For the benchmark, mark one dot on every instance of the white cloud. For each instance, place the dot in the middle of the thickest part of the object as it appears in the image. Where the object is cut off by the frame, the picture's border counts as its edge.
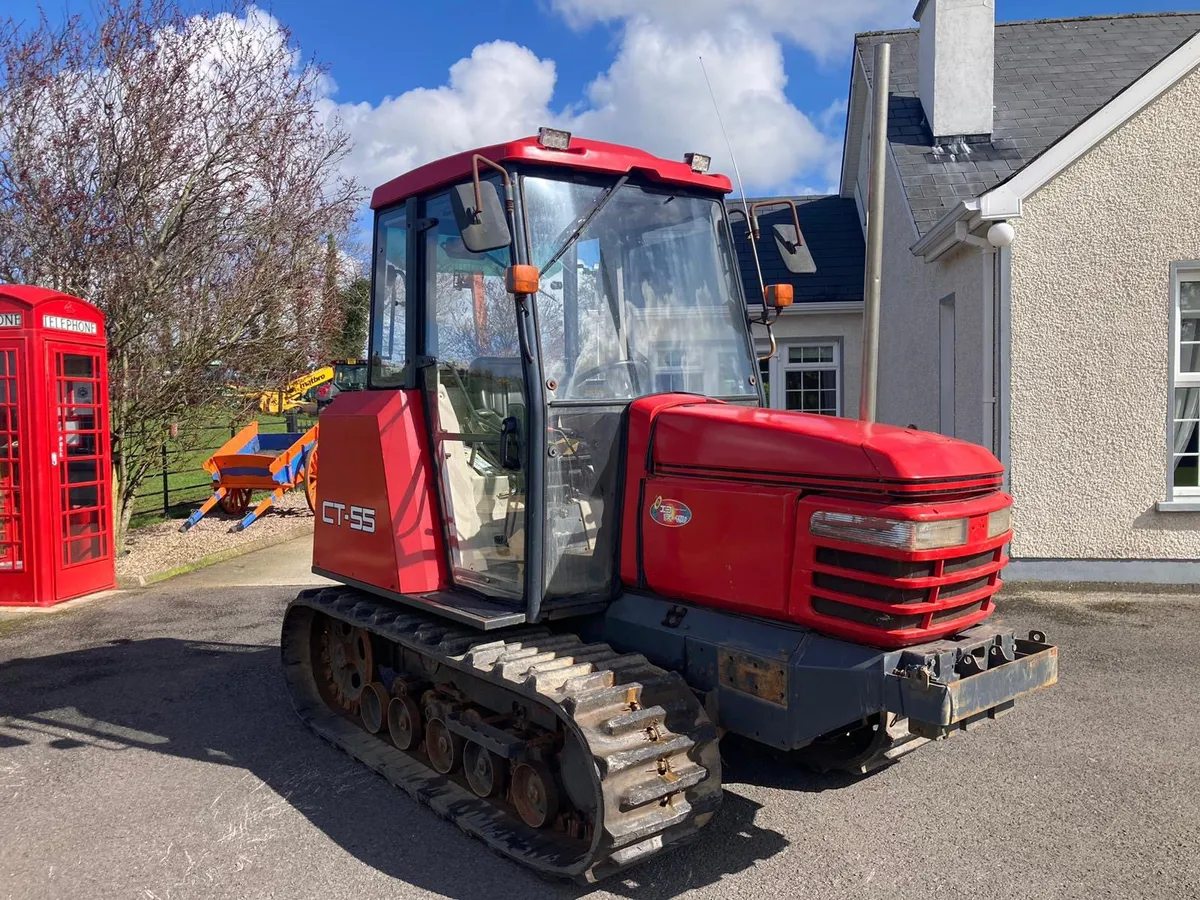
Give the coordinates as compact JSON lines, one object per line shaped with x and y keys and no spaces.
{"x":499,"y":92}
{"x":823,"y":27}
{"x":652,"y":96}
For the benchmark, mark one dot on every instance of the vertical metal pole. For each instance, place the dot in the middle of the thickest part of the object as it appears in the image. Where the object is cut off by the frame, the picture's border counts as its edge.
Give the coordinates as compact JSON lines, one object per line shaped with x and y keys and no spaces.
{"x":871,"y":289}
{"x":166,"y":486}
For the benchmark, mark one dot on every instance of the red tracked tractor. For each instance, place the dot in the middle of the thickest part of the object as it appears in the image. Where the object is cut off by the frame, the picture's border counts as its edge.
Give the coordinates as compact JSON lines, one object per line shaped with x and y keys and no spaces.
{"x":573,"y":548}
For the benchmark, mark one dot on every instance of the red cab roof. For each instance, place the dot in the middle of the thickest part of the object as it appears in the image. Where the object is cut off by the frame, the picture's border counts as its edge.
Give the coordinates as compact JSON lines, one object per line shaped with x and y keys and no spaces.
{"x":582,"y":155}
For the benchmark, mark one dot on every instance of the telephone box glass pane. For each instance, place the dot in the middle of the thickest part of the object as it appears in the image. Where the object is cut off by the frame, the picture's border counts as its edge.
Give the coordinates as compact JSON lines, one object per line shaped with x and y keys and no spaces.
{"x":83,"y":494}
{"x":11,"y":550}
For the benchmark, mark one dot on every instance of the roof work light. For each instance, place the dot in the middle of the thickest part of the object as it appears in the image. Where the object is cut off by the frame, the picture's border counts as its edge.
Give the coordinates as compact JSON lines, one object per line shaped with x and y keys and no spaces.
{"x":554,"y":139}
{"x":698,"y":161}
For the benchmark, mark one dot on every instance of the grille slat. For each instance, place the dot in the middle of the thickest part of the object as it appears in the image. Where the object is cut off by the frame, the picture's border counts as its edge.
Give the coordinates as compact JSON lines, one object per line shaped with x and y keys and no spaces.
{"x":862,"y":615}
{"x":963,"y":587}
{"x":868,"y":590}
{"x":957,"y":613}
{"x":876,"y":565}
{"x":963,"y":563}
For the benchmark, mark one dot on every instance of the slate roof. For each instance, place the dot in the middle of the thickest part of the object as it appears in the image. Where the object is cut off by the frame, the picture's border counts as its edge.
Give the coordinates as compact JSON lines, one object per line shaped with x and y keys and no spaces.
{"x":1050,"y":76}
{"x":834,"y":238}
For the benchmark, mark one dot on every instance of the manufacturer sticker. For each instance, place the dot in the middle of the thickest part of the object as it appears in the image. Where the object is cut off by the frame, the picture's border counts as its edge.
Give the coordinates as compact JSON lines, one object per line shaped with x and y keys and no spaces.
{"x":671,"y":513}
{"x":62,"y":323}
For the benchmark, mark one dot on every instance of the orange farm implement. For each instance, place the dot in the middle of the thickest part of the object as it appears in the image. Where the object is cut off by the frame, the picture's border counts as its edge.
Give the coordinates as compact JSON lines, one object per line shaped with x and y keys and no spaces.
{"x":249,"y":462}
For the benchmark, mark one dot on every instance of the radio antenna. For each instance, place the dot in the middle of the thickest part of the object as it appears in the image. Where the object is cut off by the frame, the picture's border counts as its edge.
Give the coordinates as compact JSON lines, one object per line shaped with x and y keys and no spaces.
{"x":741,"y":188}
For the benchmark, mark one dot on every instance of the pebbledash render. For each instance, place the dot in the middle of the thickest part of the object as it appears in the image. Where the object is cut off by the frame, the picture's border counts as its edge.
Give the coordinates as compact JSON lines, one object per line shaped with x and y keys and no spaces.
{"x":1092,"y":348}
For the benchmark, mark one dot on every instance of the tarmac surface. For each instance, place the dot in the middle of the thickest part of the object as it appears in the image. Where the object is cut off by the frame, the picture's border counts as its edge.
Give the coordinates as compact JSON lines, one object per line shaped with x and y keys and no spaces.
{"x":148,"y":750}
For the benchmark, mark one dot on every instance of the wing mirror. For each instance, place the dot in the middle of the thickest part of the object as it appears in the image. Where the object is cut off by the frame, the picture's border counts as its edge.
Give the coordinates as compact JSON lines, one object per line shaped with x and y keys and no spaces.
{"x":482,"y":221}
{"x":789,"y":240}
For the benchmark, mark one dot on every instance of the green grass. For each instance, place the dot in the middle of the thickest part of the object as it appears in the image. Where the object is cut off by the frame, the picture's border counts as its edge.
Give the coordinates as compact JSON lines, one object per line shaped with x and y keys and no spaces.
{"x":188,"y":484}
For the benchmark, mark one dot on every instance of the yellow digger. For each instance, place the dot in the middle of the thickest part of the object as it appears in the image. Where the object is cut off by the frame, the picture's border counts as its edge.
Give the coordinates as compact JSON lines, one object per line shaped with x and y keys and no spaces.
{"x":313,"y":391}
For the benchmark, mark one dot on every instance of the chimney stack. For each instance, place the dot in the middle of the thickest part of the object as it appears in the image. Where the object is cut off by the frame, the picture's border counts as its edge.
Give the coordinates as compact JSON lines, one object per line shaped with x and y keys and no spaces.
{"x":957,"y":66}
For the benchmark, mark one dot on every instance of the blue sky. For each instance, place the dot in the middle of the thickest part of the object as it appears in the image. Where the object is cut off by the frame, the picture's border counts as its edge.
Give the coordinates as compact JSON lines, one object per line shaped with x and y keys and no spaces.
{"x":417,"y":79}
{"x":438,"y":36}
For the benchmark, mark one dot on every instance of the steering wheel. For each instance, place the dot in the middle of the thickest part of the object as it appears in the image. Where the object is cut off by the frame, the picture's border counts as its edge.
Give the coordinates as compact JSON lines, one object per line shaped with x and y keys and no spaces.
{"x":634,"y":373}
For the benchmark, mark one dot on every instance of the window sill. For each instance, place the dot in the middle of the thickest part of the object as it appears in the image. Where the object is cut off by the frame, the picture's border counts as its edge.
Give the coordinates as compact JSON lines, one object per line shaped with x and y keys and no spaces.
{"x":1191,"y":504}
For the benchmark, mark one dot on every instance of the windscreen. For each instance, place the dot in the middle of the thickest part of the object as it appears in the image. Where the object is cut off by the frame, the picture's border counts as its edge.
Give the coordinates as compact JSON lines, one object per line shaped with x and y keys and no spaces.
{"x":644,"y":301}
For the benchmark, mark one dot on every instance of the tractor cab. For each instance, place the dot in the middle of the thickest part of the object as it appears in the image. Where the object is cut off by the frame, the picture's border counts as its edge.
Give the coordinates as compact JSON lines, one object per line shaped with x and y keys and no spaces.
{"x":631,"y":288}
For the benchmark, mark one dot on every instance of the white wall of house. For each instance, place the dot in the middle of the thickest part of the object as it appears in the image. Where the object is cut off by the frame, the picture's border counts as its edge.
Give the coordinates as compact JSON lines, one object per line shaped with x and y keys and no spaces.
{"x":1091,"y":348}
{"x":800,"y":327}
{"x":911,"y":318}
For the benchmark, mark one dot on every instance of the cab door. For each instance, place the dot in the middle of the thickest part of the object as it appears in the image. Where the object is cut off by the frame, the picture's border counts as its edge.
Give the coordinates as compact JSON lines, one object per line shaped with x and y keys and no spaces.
{"x":477,"y":406}
{"x":80,"y":470}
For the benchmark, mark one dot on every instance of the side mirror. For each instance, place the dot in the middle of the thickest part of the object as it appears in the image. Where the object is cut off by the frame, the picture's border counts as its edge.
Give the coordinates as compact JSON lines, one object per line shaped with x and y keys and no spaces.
{"x":483,"y":225}
{"x":793,"y":250}
{"x":789,"y":240}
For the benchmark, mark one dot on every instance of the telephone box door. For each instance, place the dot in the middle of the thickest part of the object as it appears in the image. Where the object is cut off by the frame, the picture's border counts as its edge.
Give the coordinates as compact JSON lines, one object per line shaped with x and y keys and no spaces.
{"x":80,"y":481}
{"x":15,"y":568}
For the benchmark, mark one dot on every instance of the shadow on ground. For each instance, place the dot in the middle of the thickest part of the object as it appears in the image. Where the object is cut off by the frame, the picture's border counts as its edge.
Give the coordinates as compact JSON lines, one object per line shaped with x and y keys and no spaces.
{"x":225,"y":703}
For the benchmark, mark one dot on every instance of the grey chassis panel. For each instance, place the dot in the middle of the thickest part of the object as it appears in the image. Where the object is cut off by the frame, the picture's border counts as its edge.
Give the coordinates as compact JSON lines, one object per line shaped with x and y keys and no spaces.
{"x":784,"y":685}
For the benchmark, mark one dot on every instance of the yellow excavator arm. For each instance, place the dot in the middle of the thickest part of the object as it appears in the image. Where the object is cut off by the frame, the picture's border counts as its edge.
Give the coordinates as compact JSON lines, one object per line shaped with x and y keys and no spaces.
{"x":292,"y":395}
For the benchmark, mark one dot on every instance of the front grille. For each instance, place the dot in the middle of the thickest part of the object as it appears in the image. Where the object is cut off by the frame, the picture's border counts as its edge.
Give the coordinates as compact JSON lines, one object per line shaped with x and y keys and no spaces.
{"x":863,"y":616}
{"x":834,"y":594}
{"x":884,"y":593}
{"x":876,"y":565}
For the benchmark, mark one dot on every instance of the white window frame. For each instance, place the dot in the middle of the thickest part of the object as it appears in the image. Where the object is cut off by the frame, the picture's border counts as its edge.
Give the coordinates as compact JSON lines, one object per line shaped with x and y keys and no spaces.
{"x":779,"y":366}
{"x":691,"y":373}
{"x":1187,"y":496}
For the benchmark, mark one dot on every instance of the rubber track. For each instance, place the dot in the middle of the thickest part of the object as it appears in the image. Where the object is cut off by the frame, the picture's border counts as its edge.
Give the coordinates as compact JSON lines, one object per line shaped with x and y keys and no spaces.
{"x":657,"y":775}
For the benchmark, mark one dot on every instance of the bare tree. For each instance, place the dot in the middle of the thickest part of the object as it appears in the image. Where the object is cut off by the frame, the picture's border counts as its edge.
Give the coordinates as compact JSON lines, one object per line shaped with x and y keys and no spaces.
{"x":178,"y":172}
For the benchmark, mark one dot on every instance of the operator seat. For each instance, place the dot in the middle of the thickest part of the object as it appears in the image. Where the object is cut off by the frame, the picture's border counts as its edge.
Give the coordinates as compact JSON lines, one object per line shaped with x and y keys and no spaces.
{"x":494,"y":386}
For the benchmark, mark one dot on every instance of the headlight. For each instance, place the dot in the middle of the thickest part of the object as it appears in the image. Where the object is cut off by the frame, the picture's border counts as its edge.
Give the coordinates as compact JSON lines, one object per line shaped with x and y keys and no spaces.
{"x":999,"y":522}
{"x":900,"y":534}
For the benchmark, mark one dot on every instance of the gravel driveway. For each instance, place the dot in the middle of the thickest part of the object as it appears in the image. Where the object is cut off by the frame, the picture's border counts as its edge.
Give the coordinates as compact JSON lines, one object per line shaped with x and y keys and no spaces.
{"x":147,"y":750}
{"x":162,"y":546}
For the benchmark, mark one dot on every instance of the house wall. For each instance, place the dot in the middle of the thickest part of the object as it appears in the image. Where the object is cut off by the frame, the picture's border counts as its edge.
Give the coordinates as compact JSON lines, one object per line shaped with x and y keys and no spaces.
{"x":909,"y":322}
{"x":1090,"y":345}
{"x":846,"y":327}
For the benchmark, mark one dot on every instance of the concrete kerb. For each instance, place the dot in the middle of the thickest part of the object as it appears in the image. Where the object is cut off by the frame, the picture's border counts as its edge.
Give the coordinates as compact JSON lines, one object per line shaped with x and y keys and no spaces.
{"x":129,"y":582}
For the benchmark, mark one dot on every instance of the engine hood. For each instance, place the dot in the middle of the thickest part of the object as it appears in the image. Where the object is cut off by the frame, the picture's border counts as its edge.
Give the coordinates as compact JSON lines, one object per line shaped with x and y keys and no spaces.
{"x":771,"y":445}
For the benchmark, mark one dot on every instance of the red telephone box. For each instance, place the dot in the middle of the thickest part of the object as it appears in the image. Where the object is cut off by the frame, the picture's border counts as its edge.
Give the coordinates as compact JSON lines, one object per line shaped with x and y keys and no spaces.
{"x":56,"y":538}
